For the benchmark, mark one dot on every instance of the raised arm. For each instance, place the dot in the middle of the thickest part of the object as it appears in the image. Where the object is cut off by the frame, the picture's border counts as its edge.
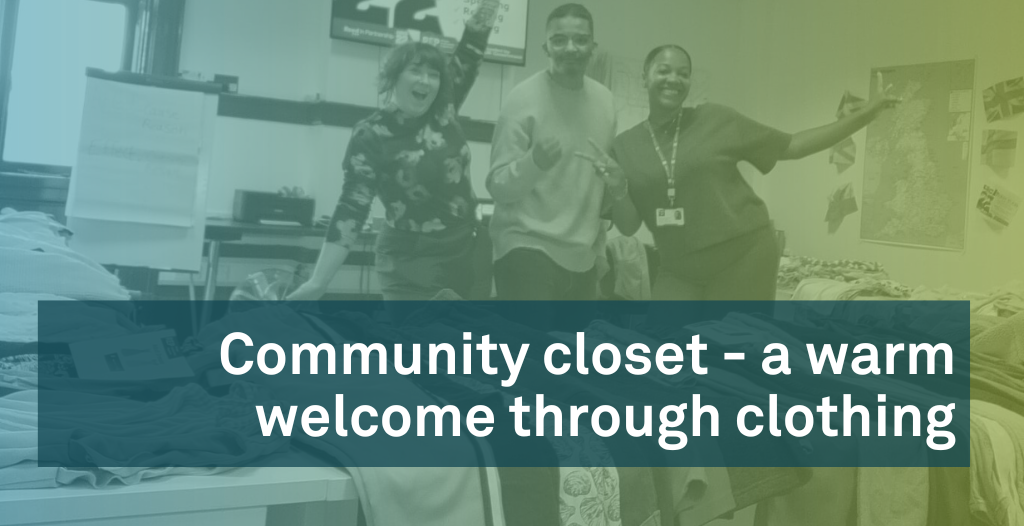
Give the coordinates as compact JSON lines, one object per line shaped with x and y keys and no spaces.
{"x":357,"y":195}
{"x":469,"y":54}
{"x":809,"y":142}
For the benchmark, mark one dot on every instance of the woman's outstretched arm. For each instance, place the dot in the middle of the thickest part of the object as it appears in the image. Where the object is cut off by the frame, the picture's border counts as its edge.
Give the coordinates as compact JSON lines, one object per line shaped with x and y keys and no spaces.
{"x":812,"y":141}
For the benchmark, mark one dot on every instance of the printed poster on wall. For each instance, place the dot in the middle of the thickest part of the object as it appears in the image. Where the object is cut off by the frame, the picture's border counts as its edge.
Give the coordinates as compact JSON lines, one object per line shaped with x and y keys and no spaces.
{"x":436,"y":22}
{"x":917,"y":159}
{"x":999,"y":148}
{"x":998,"y":205}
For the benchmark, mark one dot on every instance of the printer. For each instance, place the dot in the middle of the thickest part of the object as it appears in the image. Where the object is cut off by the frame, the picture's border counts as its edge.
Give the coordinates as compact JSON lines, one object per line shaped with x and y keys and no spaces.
{"x":255,"y":207}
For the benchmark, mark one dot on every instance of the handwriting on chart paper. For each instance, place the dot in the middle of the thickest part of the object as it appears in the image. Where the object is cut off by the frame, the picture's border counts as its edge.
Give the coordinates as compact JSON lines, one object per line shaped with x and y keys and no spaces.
{"x":139,"y":154}
{"x":163,"y":120}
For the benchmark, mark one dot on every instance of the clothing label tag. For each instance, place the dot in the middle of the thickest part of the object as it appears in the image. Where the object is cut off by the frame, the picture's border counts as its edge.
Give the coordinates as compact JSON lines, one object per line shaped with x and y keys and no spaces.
{"x":132,"y":357}
{"x":670,"y":217}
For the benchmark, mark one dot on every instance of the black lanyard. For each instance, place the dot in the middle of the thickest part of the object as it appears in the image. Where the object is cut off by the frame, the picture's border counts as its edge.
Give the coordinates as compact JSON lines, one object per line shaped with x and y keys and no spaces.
{"x":670,"y":168}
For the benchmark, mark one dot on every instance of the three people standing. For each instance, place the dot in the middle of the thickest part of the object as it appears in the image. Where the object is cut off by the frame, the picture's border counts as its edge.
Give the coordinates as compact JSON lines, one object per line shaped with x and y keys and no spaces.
{"x":556,"y":170}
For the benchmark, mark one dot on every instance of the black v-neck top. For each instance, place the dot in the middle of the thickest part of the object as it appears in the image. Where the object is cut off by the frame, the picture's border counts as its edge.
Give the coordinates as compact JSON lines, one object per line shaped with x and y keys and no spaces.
{"x":718,"y":203}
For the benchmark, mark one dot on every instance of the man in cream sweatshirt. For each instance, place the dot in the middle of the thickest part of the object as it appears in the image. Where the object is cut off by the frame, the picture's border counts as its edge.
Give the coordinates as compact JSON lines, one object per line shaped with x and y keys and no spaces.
{"x":546,"y":227}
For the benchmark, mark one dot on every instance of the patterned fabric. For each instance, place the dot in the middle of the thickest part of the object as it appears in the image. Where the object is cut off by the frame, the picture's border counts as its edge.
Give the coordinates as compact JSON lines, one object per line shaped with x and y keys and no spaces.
{"x":589,"y":483}
{"x":1004,"y":100}
{"x":794,"y":269}
{"x":419,"y":168}
{"x":589,"y":496}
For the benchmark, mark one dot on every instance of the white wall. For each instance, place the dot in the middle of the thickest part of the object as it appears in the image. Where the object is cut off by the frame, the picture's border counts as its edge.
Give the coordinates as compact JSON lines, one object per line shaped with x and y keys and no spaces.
{"x":799,"y":58}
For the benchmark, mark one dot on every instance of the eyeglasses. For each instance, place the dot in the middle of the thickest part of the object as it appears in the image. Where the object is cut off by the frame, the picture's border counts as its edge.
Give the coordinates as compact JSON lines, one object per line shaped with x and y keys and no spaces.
{"x":562,"y":41}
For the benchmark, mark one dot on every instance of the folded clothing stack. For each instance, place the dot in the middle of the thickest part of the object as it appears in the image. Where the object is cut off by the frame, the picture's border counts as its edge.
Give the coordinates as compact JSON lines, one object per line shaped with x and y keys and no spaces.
{"x":37,"y":260}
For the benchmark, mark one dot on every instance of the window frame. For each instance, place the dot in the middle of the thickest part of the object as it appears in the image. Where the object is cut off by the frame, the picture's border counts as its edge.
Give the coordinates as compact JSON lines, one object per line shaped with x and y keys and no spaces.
{"x":144,"y":51}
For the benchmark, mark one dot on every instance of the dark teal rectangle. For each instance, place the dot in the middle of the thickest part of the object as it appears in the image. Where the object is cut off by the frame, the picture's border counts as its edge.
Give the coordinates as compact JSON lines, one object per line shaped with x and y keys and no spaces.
{"x":211,"y":417}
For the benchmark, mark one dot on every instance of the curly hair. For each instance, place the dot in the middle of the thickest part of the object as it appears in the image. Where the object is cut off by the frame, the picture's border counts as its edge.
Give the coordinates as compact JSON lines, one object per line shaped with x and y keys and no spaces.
{"x":417,"y":53}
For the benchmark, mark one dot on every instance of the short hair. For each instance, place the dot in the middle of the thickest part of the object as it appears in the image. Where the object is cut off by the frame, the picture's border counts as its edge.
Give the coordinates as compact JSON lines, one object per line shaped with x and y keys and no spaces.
{"x":574,"y":11}
{"x":413,"y":53}
{"x":657,"y":51}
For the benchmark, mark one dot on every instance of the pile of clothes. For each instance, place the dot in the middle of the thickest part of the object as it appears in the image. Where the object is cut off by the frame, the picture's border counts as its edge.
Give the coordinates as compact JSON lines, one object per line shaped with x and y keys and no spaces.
{"x":997,"y":423}
{"x":1000,"y":302}
{"x":38,"y":266}
{"x":831,"y":290}
{"x":191,"y":410}
{"x":794,"y":269}
{"x":37,"y":260}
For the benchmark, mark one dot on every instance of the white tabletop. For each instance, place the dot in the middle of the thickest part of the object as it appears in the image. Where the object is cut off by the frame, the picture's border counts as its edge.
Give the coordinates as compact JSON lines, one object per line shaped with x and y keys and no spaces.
{"x":239,"y":488}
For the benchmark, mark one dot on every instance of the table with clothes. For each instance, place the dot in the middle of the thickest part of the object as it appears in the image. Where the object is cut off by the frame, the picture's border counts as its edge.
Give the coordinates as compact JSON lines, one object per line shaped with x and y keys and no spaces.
{"x":22,"y":362}
{"x":168,"y":423}
{"x":40,"y":266}
{"x":575,"y":487}
{"x":579,"y":488}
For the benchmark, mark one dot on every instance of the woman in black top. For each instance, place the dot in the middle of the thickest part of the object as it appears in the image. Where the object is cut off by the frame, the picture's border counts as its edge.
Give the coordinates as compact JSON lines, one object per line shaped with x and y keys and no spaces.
{"x":413,"y":156}
{"x":712,"y":231}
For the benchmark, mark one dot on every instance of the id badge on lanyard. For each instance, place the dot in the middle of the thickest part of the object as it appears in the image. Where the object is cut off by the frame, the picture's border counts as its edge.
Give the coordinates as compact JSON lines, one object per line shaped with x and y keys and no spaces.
{"x":670,"y":217}
{"x":673,"y":215}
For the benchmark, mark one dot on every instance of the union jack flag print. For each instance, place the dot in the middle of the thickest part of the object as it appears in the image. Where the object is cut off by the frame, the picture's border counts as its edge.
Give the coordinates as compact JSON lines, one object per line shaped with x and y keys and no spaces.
{"x":1004,"y":100}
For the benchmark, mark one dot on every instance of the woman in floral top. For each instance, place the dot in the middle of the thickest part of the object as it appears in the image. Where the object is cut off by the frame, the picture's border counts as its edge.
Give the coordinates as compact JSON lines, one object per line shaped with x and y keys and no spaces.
{"x":413,"y":156}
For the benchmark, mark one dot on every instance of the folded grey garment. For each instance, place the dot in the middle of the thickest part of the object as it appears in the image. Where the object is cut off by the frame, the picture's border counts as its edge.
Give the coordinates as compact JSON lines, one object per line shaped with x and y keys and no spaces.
{"x":17,"y":446}
{"x":27,"y":475}
{"x":101,"y":477}
{"x":18,"y":380}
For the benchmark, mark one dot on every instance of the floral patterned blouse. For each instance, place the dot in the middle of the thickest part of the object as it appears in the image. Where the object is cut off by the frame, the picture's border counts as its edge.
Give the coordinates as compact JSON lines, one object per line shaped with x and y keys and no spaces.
{"x":419,"y":168}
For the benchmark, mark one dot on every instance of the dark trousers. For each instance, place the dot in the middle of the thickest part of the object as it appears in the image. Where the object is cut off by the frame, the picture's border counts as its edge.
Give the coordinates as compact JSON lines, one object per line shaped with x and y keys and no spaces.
{"x":745,"y":268}
{"x":526,"y":274}
{"x":414,"y":266}
{"x":530,"y":275}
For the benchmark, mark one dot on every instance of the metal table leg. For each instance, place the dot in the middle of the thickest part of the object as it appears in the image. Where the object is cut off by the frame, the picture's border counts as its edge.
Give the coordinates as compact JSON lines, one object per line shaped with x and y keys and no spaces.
{"x":209,"y":293}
